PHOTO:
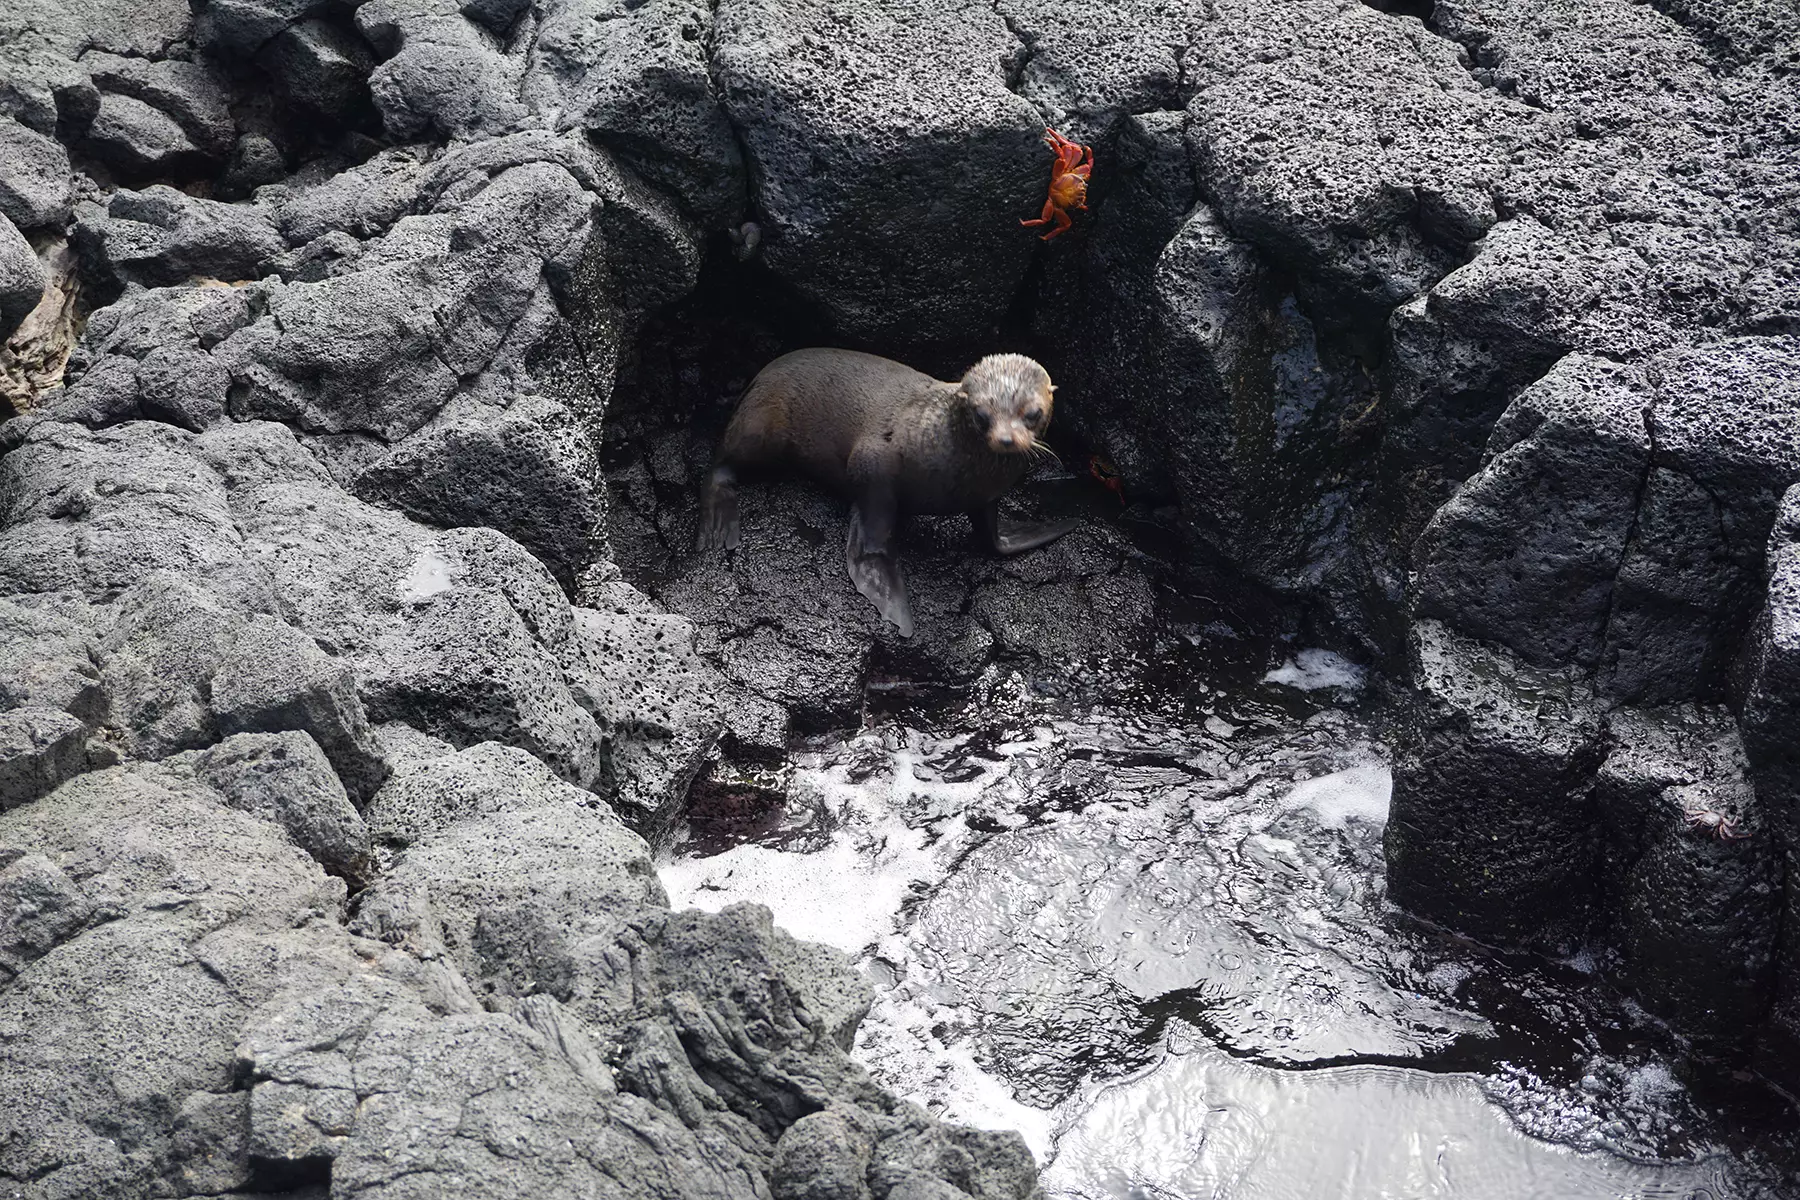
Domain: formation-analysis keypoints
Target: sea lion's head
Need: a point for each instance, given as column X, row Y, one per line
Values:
column 1010, row 397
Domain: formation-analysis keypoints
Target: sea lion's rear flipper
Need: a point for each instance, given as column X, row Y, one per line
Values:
column 1011, row 537
column 718, row 511
column 873, row 566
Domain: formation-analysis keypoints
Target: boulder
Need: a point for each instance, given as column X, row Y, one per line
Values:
column 1694, row 914
column 159, row 236
column 440, row 73
column 286, row 779
column 140, row 141
column 889, row 161
column 35, row 185
column 189, row 94
column 640, row 83
column 527, row 470
column 40, row 908
column 320, row 68
column 39, row 749
column 1492, row 828
column 21, row 278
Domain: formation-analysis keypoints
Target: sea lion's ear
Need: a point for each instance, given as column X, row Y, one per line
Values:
column 1053, row 387
column 962, row 393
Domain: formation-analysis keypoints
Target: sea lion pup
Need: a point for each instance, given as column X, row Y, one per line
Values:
column 894, row 441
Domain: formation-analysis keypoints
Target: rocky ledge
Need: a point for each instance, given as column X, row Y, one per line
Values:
column 361, row 356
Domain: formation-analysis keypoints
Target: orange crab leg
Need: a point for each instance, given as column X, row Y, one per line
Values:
column 1049, row 210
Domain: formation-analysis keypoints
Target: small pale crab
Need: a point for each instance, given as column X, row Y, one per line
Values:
column 1068, row 183
column 1708, row 821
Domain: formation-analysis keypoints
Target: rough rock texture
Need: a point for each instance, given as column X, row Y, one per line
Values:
column 1476, row 333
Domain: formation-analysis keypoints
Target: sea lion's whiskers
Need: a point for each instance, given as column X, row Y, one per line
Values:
column 1042, row 449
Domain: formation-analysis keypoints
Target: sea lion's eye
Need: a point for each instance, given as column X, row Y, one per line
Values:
column 1035, row 416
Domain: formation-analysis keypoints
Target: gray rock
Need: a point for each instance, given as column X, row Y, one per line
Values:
column 364, row 201
column 496, row 15
column 1491, row 829
column 39, row 749
column 527, row 471
column 286, row 779
column 40, row 908
column 182, row 386
column 212, row 1141
column 167, row 643
column 1695, row 915
column 275, row 678
column 140, row 141
column 1299, row 153
column 160, row 236
column 636, row 672
column 441, row 73
column 299, row 1126
column 206, row 910
column 639, row 82
column 239, row 28
column 21, row 278
column 47, row 661
column 255, row 160
column 35, row 190
column 188, row 93
column 440, row 793
column 895, row 203
column 321, row 68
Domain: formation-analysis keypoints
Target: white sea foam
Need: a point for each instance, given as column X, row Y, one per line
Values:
column 1361, row 793
column 1318, row 670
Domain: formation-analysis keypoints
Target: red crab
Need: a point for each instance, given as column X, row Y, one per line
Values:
column 1108, row 475
column 1068, row 182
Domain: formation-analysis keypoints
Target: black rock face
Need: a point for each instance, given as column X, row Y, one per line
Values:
column 365, row 357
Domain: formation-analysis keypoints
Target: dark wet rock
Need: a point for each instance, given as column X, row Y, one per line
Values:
column 1694, row 914
column 286, row 779
column 21, row 278
column 894, row 201
column 1618, row 522
column 526, row 471
column 39, row 749
column 638, row 80
column 40, row 908
column 159, row 236
column 1526, row 553
column 35, row 187
column 1770, row 718
column 189, row 94
column 1492, row 830
column 322, row 68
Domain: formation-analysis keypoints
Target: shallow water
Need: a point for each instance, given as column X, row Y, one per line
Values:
column 1158, row 945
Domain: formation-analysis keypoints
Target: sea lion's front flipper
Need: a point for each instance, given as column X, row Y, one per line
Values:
column 1011, row 537
column 718, row 511
column 873, row 566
